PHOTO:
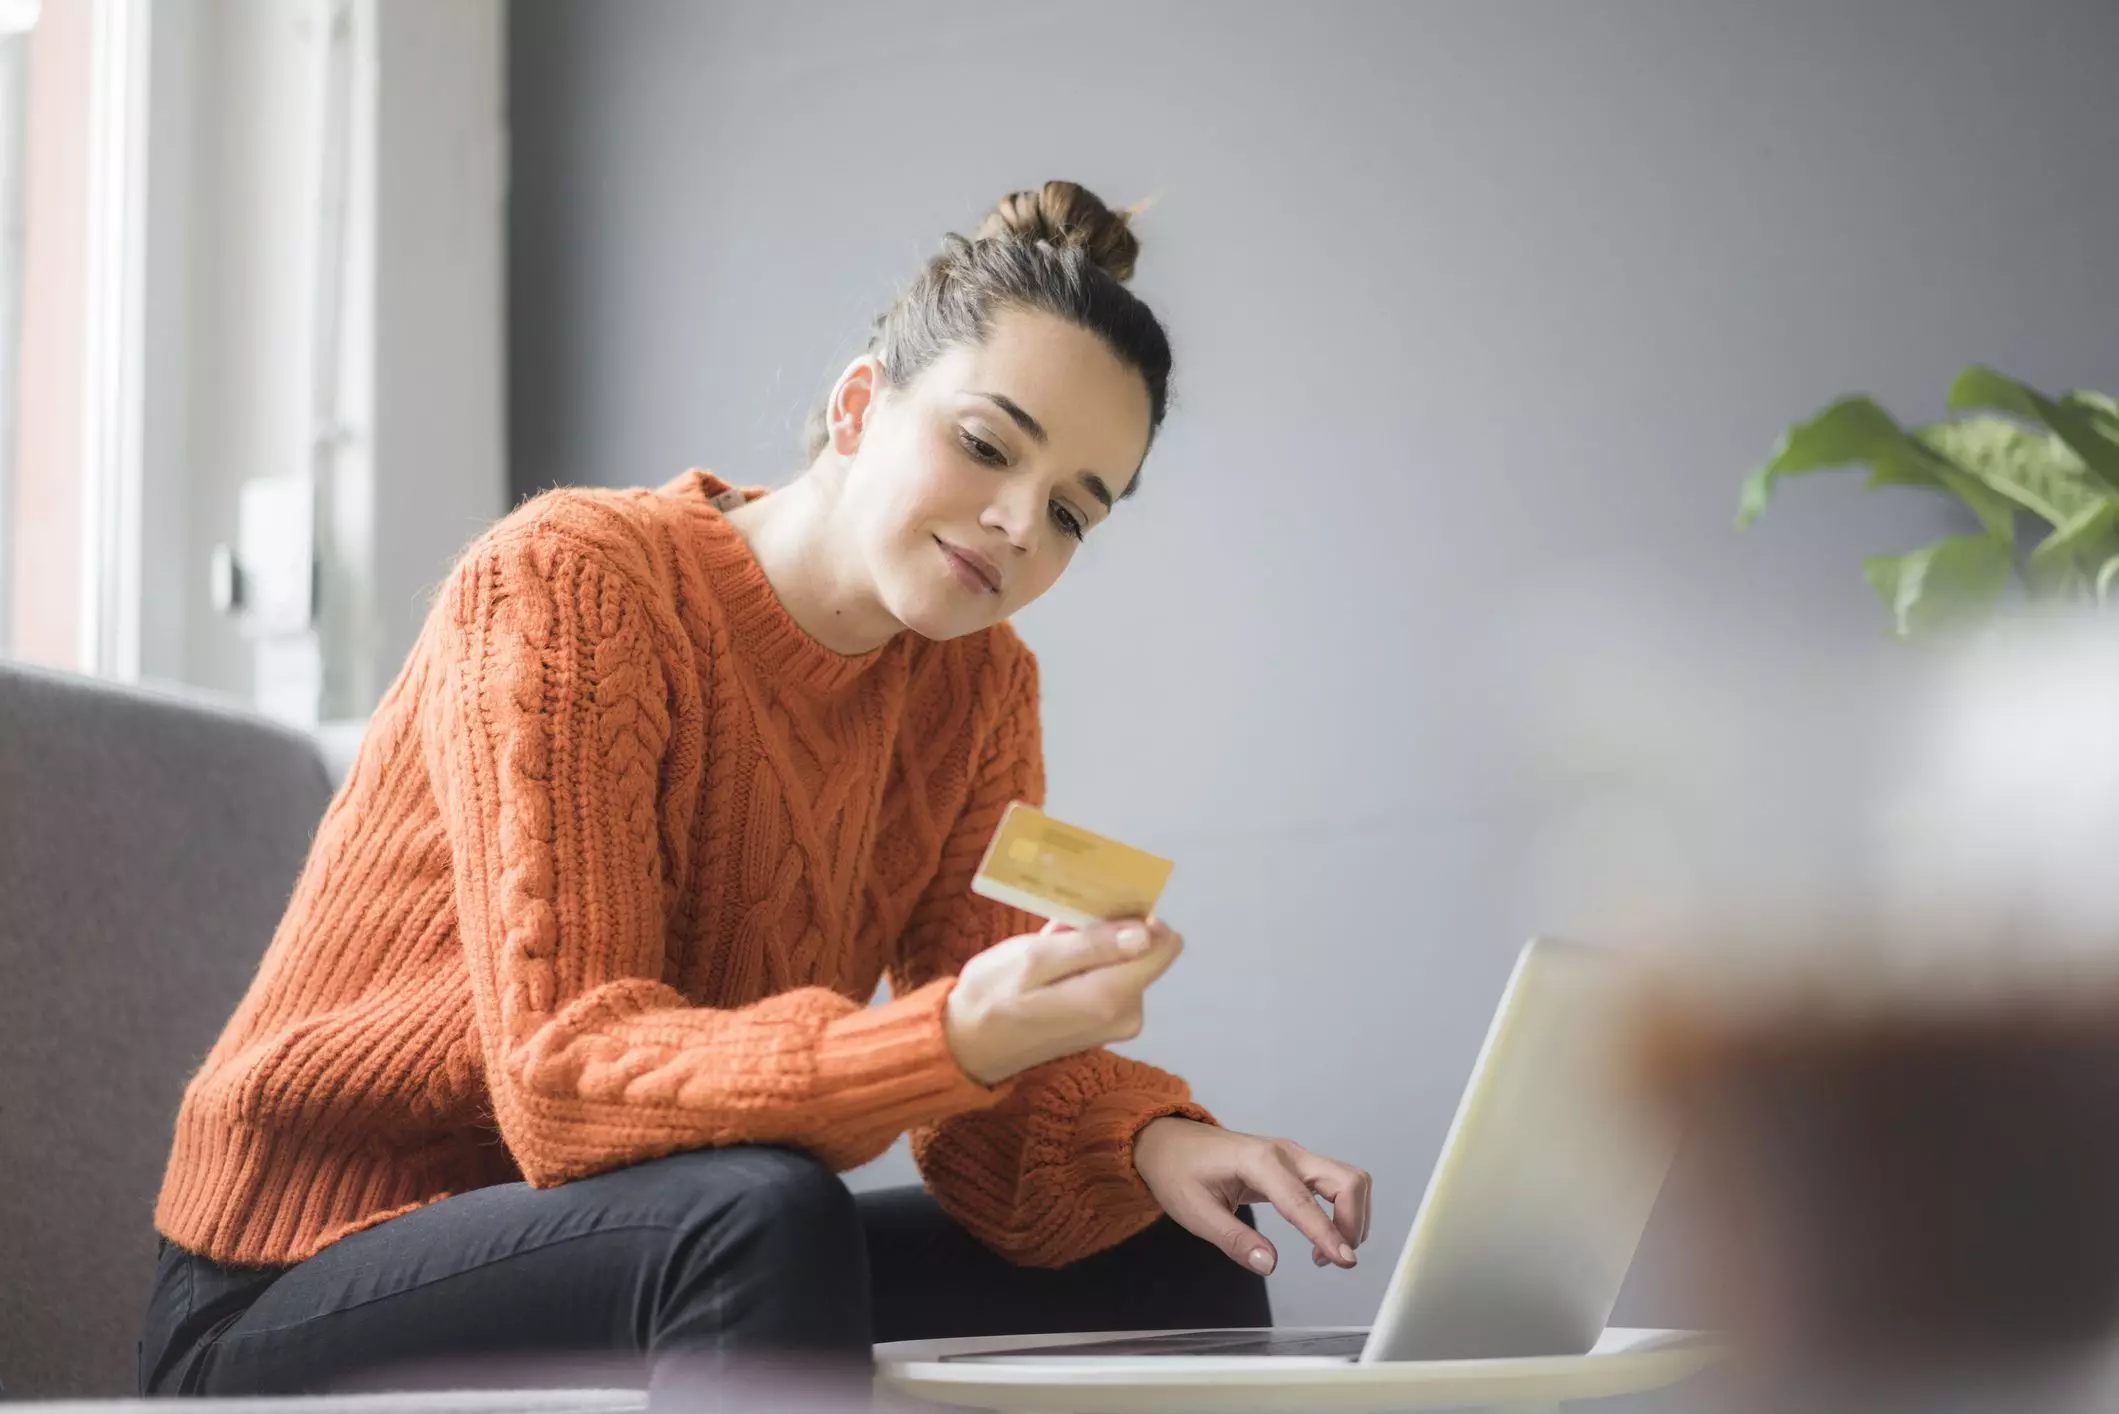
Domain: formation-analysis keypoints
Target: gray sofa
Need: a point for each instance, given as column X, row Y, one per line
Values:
column 148, row 843
column 147, row 846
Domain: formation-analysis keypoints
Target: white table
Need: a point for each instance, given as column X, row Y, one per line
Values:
column 1625, row 1361
column 464, row 1401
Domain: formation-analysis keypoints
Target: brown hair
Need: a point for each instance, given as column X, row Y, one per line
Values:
column 1057, row 250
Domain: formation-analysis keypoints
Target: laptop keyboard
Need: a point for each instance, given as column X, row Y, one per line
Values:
column 1341, row 1344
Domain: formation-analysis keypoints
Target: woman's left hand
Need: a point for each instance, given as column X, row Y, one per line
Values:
column 1201, row 1174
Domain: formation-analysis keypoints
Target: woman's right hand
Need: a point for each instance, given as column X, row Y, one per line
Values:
column 1041, row 996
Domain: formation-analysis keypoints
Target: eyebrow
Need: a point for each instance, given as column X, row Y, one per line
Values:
column 1030, row 425
column 1035, row 431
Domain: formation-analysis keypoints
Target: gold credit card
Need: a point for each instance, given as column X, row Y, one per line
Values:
column 1060, row 871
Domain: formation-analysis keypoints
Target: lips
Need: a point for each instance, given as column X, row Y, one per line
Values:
column 973, row 569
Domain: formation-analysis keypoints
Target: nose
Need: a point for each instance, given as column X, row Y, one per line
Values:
column 1016, row 512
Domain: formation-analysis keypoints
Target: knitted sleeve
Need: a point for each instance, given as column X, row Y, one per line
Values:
column 546, row 738
column 1046, row 1176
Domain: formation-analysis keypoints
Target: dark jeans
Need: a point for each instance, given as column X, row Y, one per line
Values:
column 687, row 1261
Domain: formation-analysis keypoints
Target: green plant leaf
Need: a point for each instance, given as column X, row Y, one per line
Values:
column 2080, row 423
column 1851, row 430
column 2105, row 577
column 1997, row 516
column 2101, row 410
column 2035, row 470
column 1856, row 430
column 2101, row 407
column 1957, row 577
column 2066, row 558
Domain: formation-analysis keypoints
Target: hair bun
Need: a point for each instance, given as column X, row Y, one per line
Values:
column 1064, row 214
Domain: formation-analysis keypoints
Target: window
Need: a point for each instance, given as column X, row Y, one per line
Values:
column 72, row 164
column 48, row 211
column 16, row 19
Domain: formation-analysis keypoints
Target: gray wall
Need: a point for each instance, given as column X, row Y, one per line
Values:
column 1481, row 312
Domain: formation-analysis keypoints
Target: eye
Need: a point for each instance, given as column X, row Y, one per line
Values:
column 980, row 449
column 1068, row 522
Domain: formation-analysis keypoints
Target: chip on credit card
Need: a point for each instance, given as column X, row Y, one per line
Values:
column 1063, row 872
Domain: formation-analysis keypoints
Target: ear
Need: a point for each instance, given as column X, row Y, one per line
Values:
column 853, row 397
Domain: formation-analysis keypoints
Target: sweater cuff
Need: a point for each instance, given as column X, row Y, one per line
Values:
column 892, row 1065
column 1103, row 1145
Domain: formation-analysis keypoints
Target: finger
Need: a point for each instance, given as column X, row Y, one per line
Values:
column 1115, row 990
column 1164, row 946
column 1344, row 1186
column 1103, row 1004
column 1273, row 1174
column 1099, row 952
column 1200, row 1213
column 1064, row 952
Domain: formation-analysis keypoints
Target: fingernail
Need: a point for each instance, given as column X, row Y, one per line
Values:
column 1262, row 1260
column 1317, row 1258
column 1132, row 938
column 1346, row 1253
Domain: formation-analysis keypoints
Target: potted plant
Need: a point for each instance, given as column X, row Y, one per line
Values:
column 2010, row 454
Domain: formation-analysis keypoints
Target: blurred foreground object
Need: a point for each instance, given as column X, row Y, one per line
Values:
column 1909, row 1122
column 2056, row 459
column 1906, row 1185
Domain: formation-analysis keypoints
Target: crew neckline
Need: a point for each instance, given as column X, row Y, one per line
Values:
column 757, row 617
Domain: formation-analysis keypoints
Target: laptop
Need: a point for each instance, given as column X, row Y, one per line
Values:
column 1531, row 1217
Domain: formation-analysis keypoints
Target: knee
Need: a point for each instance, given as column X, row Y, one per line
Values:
column 789, row 1192
column 784, row 1209
column 766, row 1255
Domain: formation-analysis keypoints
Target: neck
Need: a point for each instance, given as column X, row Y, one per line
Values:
column 800, row 540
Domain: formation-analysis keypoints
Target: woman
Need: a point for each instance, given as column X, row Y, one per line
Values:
column 565, row 1032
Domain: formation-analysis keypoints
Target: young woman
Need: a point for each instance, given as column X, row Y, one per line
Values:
column 565, row 1032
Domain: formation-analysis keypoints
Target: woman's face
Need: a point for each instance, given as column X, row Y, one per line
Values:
column 971, row 488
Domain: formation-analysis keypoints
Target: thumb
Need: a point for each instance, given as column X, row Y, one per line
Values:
column 1063, row 952
column 1206, row 1217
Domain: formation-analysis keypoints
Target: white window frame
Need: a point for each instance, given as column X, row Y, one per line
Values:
column 412, row 361
column 114, row 347
column 16, row 17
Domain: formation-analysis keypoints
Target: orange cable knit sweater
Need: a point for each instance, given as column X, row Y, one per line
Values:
column 621, row 861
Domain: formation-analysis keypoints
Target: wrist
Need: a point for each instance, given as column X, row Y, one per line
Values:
column 1151, row 1138
column 960, row 1032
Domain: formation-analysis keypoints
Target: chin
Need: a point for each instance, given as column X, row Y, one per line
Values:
column 943, row 626
column 940, row 617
